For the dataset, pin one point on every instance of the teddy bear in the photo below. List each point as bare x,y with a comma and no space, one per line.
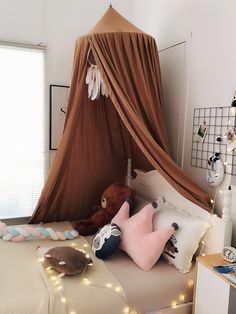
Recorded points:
111,201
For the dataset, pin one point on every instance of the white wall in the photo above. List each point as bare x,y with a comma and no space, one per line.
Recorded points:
65,22
212,62
21,20
57,24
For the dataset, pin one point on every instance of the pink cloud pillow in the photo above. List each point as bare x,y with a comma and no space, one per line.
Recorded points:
138,239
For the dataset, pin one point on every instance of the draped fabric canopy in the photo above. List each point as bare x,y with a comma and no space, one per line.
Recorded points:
100,135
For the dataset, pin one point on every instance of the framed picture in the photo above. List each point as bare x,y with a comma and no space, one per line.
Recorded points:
201,132
58,105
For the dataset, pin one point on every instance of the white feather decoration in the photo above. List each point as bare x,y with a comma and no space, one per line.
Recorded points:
95,82
89,75
104,89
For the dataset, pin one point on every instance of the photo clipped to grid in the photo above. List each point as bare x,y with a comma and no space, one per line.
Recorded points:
212,127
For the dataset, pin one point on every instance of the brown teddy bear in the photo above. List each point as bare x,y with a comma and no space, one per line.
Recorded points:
112,199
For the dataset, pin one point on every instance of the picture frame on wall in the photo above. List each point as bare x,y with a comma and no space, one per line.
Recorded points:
59,95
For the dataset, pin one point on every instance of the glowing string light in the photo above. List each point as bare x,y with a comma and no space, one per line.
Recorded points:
118,289
190,283
181,297
174,304
86,281
57,282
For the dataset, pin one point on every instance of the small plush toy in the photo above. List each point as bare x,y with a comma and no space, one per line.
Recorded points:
65,259
106,241
112,199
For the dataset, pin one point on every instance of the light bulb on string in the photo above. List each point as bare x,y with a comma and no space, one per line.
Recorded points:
118,289
174,304
190,283
181,297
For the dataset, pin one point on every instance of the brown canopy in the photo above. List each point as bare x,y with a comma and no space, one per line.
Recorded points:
100,135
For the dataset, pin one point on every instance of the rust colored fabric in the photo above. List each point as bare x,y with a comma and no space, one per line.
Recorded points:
100,135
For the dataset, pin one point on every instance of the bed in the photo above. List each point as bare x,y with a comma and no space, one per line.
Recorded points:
120,286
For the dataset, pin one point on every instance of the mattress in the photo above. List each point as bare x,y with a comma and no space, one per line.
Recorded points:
160,288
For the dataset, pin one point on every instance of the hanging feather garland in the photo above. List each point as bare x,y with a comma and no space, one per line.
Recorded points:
94,80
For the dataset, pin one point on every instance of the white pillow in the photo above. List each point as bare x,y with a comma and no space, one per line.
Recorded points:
181,247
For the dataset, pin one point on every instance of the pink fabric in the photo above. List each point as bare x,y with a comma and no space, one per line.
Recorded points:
3,229
61,235
138,239
17,239
33,231
123,214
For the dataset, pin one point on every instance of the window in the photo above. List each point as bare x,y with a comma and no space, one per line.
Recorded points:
23,128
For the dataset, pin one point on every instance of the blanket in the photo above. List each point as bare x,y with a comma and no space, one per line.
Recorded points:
28,288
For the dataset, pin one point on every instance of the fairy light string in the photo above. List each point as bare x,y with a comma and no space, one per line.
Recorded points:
57,283
58,287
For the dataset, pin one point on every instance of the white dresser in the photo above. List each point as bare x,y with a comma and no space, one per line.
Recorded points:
213,294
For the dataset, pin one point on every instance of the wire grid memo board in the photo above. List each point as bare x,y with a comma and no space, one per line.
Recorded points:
218,120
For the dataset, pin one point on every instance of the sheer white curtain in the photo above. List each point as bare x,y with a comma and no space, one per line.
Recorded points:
23,125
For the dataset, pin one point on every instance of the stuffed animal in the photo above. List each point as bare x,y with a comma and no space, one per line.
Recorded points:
106,241
65,259
112,199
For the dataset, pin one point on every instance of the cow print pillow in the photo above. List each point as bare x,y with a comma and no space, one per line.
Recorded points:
106,241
